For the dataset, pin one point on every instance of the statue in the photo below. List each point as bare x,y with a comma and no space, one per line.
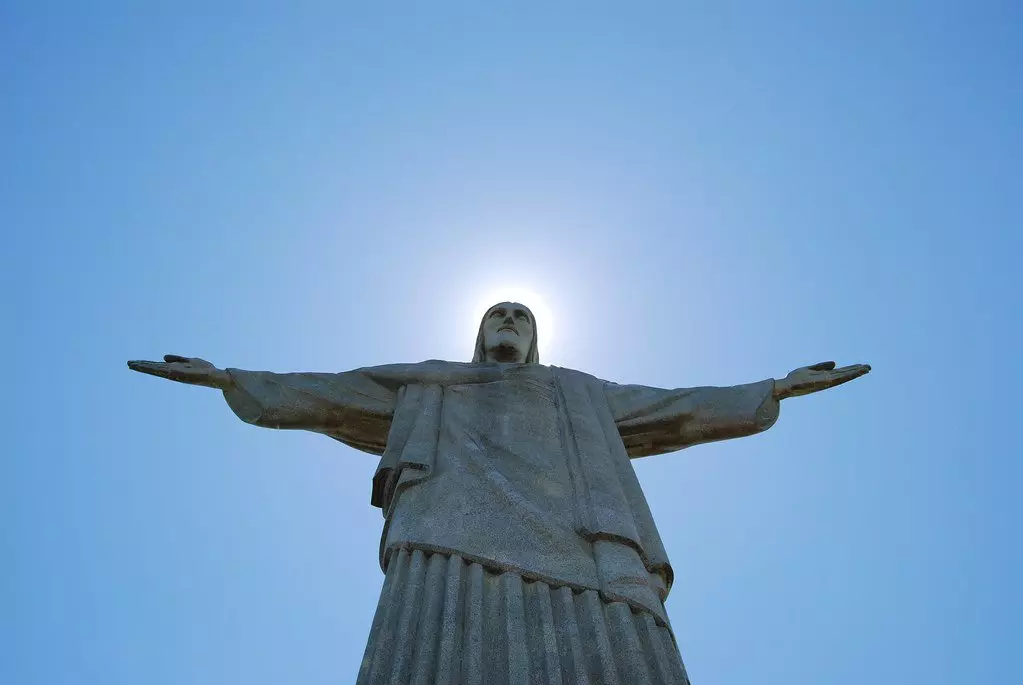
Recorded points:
517,545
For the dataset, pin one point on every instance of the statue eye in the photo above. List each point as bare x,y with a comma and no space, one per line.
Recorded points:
521,315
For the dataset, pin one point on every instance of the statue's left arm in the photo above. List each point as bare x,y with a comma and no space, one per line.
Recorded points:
655,420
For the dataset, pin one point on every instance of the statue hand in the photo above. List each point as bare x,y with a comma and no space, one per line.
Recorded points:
808,379
190,370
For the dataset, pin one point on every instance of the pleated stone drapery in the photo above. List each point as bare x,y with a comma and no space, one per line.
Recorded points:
524,470
443,620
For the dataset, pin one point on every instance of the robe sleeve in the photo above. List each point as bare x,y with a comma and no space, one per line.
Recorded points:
655,421
354,407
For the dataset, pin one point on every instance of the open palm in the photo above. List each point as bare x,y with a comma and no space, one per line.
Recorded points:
191,370
808,379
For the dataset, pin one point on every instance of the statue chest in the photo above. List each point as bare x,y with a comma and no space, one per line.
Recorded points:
511,425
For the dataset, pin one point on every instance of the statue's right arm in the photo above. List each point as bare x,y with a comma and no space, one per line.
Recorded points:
354,406
306,401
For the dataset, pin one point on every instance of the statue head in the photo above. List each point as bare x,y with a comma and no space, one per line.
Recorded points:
507,334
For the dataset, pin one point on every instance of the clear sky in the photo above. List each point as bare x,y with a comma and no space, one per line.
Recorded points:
701,193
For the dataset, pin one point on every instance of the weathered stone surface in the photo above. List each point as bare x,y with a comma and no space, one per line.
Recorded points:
509,475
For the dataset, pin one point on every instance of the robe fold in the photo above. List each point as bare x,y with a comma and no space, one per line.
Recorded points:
520,468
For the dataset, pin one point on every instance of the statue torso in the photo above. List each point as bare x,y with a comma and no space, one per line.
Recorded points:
501,489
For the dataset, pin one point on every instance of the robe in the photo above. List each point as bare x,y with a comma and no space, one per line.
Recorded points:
515,469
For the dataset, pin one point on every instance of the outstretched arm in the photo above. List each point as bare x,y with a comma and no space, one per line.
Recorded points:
355,406
655,420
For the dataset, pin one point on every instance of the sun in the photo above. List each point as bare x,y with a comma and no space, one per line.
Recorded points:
542,313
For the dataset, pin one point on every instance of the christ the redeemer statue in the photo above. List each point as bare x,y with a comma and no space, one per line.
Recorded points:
517,545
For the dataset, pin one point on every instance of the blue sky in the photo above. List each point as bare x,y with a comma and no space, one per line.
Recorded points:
701,193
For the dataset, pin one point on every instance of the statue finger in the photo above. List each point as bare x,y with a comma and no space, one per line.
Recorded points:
852,367
152,368
171,358
822,366
847,376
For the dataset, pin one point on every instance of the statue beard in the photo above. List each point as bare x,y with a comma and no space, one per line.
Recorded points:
505,354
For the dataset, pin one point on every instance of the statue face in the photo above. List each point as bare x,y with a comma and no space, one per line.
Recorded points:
507,332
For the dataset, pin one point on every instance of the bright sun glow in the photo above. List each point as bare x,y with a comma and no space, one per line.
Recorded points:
544,318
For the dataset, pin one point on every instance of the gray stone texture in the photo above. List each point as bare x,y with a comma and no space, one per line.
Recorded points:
517,545
443,619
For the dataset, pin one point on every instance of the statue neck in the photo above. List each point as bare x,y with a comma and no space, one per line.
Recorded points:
505,354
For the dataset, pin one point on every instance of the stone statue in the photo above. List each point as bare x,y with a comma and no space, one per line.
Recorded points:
517,545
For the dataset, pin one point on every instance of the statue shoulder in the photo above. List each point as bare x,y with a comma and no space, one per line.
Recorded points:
577,376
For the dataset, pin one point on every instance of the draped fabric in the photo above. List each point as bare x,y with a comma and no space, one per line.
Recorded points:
472,467
611,510
444,620
518,546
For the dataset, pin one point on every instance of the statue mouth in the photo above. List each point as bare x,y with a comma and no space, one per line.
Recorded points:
508,328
